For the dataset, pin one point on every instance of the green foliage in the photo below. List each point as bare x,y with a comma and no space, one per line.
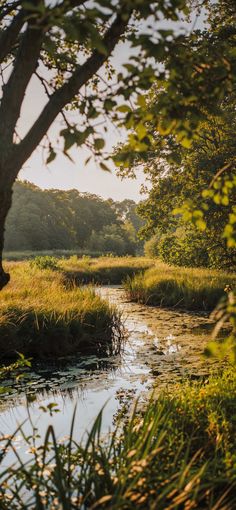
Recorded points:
15,370
64,220
151,247
177,453
46,262
191,289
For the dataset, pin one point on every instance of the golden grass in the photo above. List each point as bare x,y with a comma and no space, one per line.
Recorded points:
193,289
103,270
38,316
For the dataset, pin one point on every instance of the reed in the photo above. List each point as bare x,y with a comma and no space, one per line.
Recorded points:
177,454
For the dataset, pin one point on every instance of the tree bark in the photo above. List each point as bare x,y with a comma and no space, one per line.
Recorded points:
5,204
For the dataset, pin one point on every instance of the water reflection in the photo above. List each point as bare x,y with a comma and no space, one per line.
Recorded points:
165,345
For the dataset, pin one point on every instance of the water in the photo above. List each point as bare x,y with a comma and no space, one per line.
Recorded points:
163,346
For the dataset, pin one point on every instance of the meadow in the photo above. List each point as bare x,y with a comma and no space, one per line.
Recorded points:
177,454
179,287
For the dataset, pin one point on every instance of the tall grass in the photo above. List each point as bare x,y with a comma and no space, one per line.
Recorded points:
103,270
192,289
39,317
178,454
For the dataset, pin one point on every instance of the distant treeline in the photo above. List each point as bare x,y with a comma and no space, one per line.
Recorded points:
54,219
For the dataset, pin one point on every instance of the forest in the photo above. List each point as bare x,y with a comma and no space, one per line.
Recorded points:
69,220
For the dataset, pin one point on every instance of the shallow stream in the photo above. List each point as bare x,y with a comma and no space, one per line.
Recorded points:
163,346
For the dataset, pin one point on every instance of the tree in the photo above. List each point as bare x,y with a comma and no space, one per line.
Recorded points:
70,40
67,220
183,130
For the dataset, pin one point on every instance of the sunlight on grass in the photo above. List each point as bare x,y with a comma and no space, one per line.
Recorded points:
38,316
193,289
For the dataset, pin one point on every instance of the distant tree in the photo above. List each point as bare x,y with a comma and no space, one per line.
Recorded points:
55,219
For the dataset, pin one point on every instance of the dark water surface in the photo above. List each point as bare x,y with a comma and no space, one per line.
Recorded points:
162,346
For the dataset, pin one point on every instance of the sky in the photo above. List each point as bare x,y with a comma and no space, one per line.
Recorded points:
62,173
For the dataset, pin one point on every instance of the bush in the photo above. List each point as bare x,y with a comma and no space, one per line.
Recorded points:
46,262
151,247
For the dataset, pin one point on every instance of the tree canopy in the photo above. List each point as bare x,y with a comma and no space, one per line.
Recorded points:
69,220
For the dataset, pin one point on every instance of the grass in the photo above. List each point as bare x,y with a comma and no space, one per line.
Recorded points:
103,270
14,256
39,317
192,289
177,454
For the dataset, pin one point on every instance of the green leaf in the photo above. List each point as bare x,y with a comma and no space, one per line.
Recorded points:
99,143
52,155
104,167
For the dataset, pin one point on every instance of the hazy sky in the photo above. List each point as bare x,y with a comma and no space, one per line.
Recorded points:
64,174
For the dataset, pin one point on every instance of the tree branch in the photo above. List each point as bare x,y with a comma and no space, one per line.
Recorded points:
65,94
9,35
14,90
9,8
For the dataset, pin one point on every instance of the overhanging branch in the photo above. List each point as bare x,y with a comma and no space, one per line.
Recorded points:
65,94
9,35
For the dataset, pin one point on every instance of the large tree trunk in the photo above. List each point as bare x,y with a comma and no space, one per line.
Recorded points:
5,204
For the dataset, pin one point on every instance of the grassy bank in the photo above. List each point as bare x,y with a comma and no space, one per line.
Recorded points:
192,289
103,270
179,454
39,317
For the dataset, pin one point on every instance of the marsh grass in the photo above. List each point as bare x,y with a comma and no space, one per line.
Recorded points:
192,289
39,317
103,270
177,454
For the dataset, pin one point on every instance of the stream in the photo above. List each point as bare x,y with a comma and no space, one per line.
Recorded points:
163,346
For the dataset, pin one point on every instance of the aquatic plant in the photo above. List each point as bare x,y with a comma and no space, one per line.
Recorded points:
179,453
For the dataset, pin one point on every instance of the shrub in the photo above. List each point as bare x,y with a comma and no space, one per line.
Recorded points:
151,247
46,262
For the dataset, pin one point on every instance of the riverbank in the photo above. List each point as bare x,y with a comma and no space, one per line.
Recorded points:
103,270
40,318
178,453
179,287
